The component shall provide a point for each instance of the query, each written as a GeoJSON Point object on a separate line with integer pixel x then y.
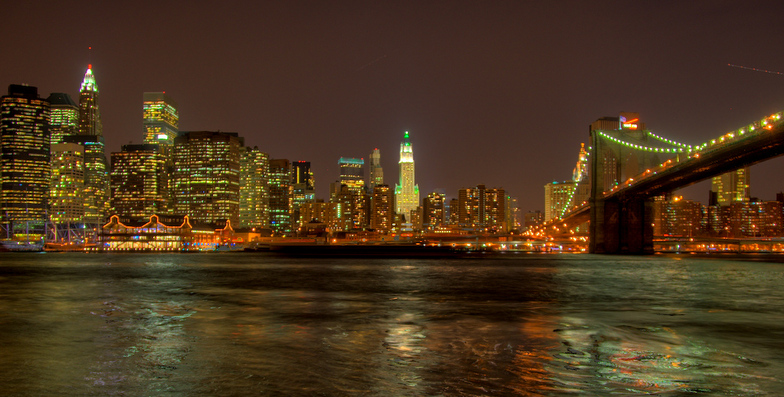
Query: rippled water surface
{"type": "Point", "coordinates": [253, 324]}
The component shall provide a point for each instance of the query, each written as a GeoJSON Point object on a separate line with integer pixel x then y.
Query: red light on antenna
{"type": "Point", "coordinates": [89, 66]}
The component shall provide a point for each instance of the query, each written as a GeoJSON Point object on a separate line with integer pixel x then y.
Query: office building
{"type": "Point", "coordinates": [138, 181]}
{"type": "Point", "coordinates": [732, 187]}
{"type": "Point", "coordinates": [353, 208]}
{"type": "Point", "coordinates": [64, 117]}
{"type": "Point", "coordinates": [482, 209]}
{"type": "Point", "coordinates": [161, 120]}
{"type": "Point", "coordinates": [254, 191]}
{"type": "Point", "coordinates": [24, 156]}
{"type": "Point", "coordinates": [376, 171]}
{"type": "Point", "coordinates": [207, 176]}
{"type": "Point", "coordinates": [382, 208]}
{"type": "Point", "coordinates": [756, 219]}
{"type": "Point", "coordinates": [302, 190]}
{"type": "Point", "coordinates": [560, 197]}
{"type": "Point", "coordinates": [280, 196]}
{"type": "Point", "coordinates": [406, 191]}
{"type": "Point", "coordinates": [66, 194]}
{"type": "Point", "coordinates": [512, 214]}
{"type": "Point", "coordinates": [352, 173]}
{"type": "Point", "coordinates": [433, 211]}
{"type": "Point", "coordinates": [96, 170]}
{"type": "Point", "coordinates": [453, 212]}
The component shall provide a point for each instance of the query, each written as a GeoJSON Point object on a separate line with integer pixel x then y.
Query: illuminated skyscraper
{"type": "Point", "coordinates": [24, 156]}
{"type": "Point", "coordinates": [382, 208]}
{"type": "Point", "coordinates": [560, 197]}
{"type": "Point", "coordinates": [89, 113]}
{"type": "Point", "coordinates": [254, 191]}
{"type": "Point", "coordinates": [138, 182]}
{"type": "Point", "coordinates": [482, 209]}
{"type": "Point", "coordinates": [66, 195]}
{"type": "Point", "coordinates": [161, 123]}
{"type": "Point", "coordinates": [731, 187]}
{"type": "Point", "coordinates": [407, 191]}
{"type": "Point", "coordinates": [353, 208]}
{"type": "Point", "coordinates": [96, 172]}
{"type": "Point", "coordinates": [280, 196]}
{"type": "Point", "coordinates": [512, 214]}
{"type": "Point", "coordinates": [376, 172]}
{"type": "Point", "coordinates": [433, 211]}
{"type": "Point", "coordinates": [207, 176]}
{"type": "Point", "coordinates": [302, 190]}
{"type": "Point", "coordinates": [161, 119]}
{"type": "Point", "coordinates": [64, 119]}
{"type": "Point", "coordinates": [352, 173]}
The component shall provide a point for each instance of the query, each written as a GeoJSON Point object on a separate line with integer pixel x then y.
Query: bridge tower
{"type": "Point", "coordinates": [621, 225]}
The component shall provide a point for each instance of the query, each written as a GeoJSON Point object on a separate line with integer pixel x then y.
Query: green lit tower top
{"type": "Point", "coordinates": [407, 191]}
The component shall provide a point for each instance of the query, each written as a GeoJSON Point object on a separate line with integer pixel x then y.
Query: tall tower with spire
{"type": "Point", "coordinates": [407, 192]}
{"type": "Point", "coordinates": [376, 172]}
{"type": "Point", "coordinates": [96, 172]}
{"type": "Point", "coordinates": [89, 115]}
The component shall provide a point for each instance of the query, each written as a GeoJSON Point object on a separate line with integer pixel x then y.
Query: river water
{"type": "Point", "coordinates": [255, 324]}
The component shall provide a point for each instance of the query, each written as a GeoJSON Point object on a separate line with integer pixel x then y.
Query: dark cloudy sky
{"type": "Point", "coordinates": [493, 92]}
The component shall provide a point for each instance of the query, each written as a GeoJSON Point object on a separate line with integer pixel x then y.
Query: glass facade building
{"type": "Point", "coordinates": [64, 117]}
{"type": "Point", "coordinates": [254, 192]}
{"type": "Point", "coordinates": [139, 187]}
{"type": "Point", "coordinates": [302, 190]}
{"type": "Point", "coordinates": [24, 156]}
{"type": "Point", "coordinates": [161, 119]}
{"type": "Point", "coordinates": [96, 170]}
{"type": "Point", "coordinates": [66, 195]}
{"type": "Point", "coordinates": [280, 196]}
{"type": "Point", "coordinates": [207, 176]}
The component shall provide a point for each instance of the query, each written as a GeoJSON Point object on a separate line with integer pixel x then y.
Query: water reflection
{"type": "Point", "coordinates": [252, 324]}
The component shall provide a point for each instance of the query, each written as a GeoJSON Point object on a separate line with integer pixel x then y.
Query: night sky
{"type": "Point", "coordinates": [492, 92]}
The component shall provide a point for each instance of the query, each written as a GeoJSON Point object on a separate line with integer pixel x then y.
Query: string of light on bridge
{"type": "Point", "coordinates": [669, 141]}
{"type": "Point", "coordinates": [755, 128]}
{"type": "Point", "coordinates": [685, 148]}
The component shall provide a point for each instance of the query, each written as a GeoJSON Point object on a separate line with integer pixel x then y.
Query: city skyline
{"type": "Point", "coordinates": [471, 82]}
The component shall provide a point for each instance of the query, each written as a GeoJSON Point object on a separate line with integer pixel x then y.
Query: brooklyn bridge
{"type": "Point", "coordinates": [628, 166]}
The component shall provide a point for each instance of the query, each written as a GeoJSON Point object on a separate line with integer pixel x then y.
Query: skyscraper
{"type": "Point", "coordinates": [433, 211]}
{"type": "Point", "coordinates": [66, 194]}
{"type": "Point", "coordinates": [24, 156]}
{"type": "Point", "coordinates": [407, 191]}
{"type": "Point", "coordinates": [382, 205]}
{"type": "Point", "coordinates": [161, 122]}
{"type": "Point", "coordinates": [89, 113]}
{"type": "Point", "coordinates": [352, 173]}
{"type": "Point", "coordinates": [96, 173]}
{"type": "Point", "coordinates": [731, 187]}
{"type": "Point", "coordinates": [280, 196]}
{"type": "Point", "coordinates": [482, 208]}
{"type": "Point", "coordinates": [376, 172]}
{"type": "Point", "coordinates": [161, 119]}
{"type": "Point", "coordinates": [207, 176]}
{"type": "Point", "coordinates": [254, 191]}
{"type": "Point", "coordinates": [64, 119]}
{"type": "Point", "coordinates": [138, 182]}
{"type": "Point", "coordinates": [302, 190]}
